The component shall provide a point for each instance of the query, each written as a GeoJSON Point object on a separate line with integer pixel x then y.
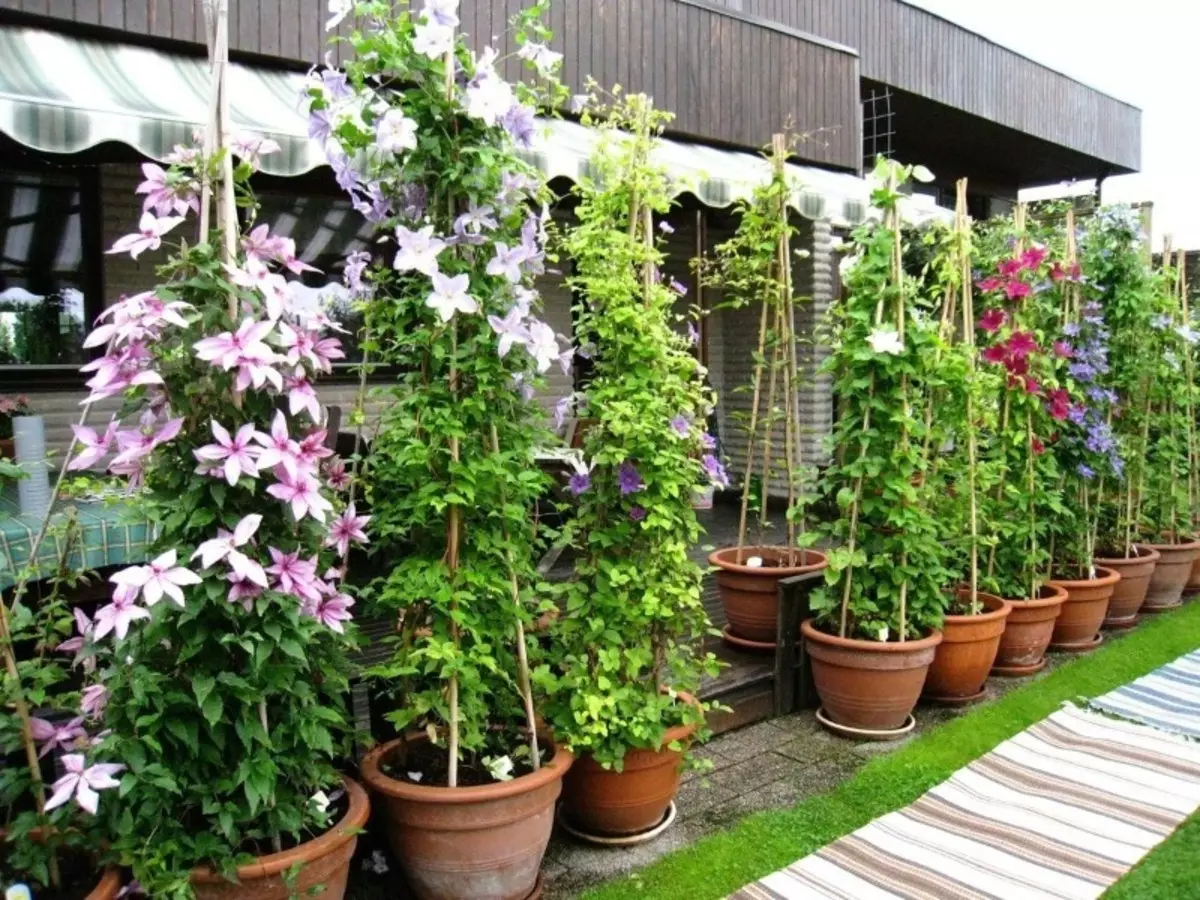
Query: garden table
{"type": "Point", "coordinates": [112, 533]}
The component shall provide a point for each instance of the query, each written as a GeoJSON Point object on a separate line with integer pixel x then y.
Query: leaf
{"type": "Point", "coordinates": [202, 686]}
{"type": "Point", "coordinates": [922, 174]}
{"type": "Point", "coordinates": [212, 708]}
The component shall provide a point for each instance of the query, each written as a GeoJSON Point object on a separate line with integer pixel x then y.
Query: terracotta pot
{"type": "Point", "coordinates": [605, 802]}
{"type": "Point", "coordinates": [8, 448]}
{"type": "Point", "coordinates": [471, 843]}
{"type": "Point", "coordinates": [1170, 575]}
{"type": "Point", "coordinates": [1085, 609]}
{"type": "Point", "coordinates": [751, 595]}
{"type": "Point", "coordinates": [1130, 592]}
{"type": "Point", "coordinates": [964, 657]}
{"type": "Point", "coordinates": [325, 861]}
{"type": "Point", "coordinates": [1193, 582]}
{"type": "Point", "coordinates": [1028, 631]}
{"type": "Point", "coordinates": [868, 685]}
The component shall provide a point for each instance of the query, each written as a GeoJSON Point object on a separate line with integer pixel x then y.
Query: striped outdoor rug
{"type": "Point", "coordinates": [1062, 810]}
{"type": "Point", "coordinates": [1167, 698]}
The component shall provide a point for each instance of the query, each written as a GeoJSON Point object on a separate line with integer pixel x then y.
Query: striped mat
{"type": "Point", "coordinates": [1168, 698]}
{"type": "Point", "coordinates": [1062, 810]}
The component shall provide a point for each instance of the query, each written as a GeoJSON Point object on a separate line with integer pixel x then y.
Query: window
{"type": "Point", "coordinates": [326, 229]}
{"type": "Point", "coordinates": [45, 294]}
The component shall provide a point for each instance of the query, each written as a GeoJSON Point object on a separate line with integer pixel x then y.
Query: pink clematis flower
{"type": "Point", "coordinates": [293, 575]}
{"type": "Point", "coordinates": [225, 547]}
{"type": "Point", "coordinates": [236, 454]}
{"type": "Point", "coordinates": [149, 235]}
{"type": "Point", "coordinates": [141, 317]}
{"type": "Point", "coordinates": [83, 782]}
{"type": "Point", "coordinates": [333, 611]}
{"type": "Point", "coordinates": [94, 445]}
{"type": "Point", "coordinates": [93, 701]}
{"type": "Point", "coordinates": [303, 495]}
{"type": "Point", "coordinates": [162, 196]}
{"type": "Point", "coordinates": [336, 475]}
{"type": "Point", "coordinates": [160, 577]}
{"type": "Point", "coordinates": [278, 449]}
{"type": "Point", "coordinates": [313, 450]}
{"type": "Point", "coordinates": [228, 350]}
{"type": "Point", "coordinates": [242, 590]}
{"type": "Point", "coordinates": [84, 626]}
{"type": "Point", "coordinates": [302, 344]}
{"type": "Point", "coordinates": [346, 529]}
{"type": "Point", "coordinates": [302, 397]}
{"type": "Point", "coordinates": [57, 737]}
{"type": "Point", "coordinates": [135, 445]}
{"type": "Point", "coordinates": [992, 320]}
{"type": "Point", "coordinates": [118, 615]}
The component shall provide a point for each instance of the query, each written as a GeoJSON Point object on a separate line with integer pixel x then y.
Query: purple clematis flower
{"type": "Point", "coordinates": [681, 425]}
{"type": "Point", "coordinates": [629, 479]}
{"type": "Point", "coordinates": [715, 471]}
{"type": "Point", "coordinates": [637, 513]}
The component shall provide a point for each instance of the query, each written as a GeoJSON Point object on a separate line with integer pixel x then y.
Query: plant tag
{"type": "Point", "coordinates": [18, 892]}
{"type": "Point", "coordinates": [754, 562]}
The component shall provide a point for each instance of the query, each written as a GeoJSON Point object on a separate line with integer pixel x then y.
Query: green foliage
{"type": "Point", "coordinates": [886, 575]}
{"type": "Point", "coordinates": [451, 478]}
{"type": "Point", "coordinates": [633, 622]}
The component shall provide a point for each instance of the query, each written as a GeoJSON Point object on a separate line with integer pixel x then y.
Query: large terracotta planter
{"type": "Point", "coordinates": [964, 658]}
{"type": "Point", "coordinates": [1130, 592]}
{"type": "Point", "coordinates": [1193, 582]}
{"type": "Point", "coordinates": [607, 803]}
{"type": "Point", "coordinates": [1172, 572]}
{"type": "Point", "coordinates": [471, 843]}
{"type": "Point", "coordinates": [1077, 627]}
{"type": "Point", "coordinates": [868, 685]}
{"type": "Point", "coordinates": [1027, 633]}
{"type": "Point", "coordinates": [751, 595]}
{"type": "Point", "coordinates": [324, 862]}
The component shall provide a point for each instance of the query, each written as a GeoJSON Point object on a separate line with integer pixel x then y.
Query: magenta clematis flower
{"type": "Point", "coordinates": [336, 475]}
{"type": "Point", "coordinates": [1009, 268]}
{"type": "Point", "coordinates": [57, 737]}
{"type": "Point", "coordinates": [1017, 290]}
{"type": "Point", "coordinates": [137, 318]}
{"type": "Point", "coordinates": [94, 445]}
{"type": "Point", "coordinates": [629, 479]}
{"type": "Point", "coordinates": [993, 320]}
{"type": "Point", "coordinates": [450, 295]}
{"type": "Point", "coordinates": [418, 250]}
{"type": "Point", "coordinates": [303, 495]}
{"type": "Point", "coordinates": [93, 700]}
{"type": "Point", "coordinates": [1021, 344]}
{"type": "Point", "coordinates": [148, 237]}
{"type": "Point", "coordinates": [119, 614]}
{"type": "Point", "coordinates": [83, 782]}
{"type": "Point", "coordinates": [235, 454]}
{"type": "Point", "coordinates": [333, 611]}
{"type": "Point", "coordinates": [1033, 258]}
{"type": "Point", "coordinates": [278, 449]}
{"type": "Point", "coordinates": [346, 529]}
{"type": "Point", "coordinates": [293, 575]}
{"type": "Point", "coordinates": [1063, 350]}
{"type": "Point", "coordinates": [1058, 404]}
{"type": "Point", "coordinates": [160, 577]}
{"type": "Point", "coordinates": [542, 345]}
{"type": "Point", "coordinates": [225, 547]}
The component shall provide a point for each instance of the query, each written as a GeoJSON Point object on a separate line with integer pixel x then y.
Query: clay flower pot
{"type": "Point", "coordinates": [606, 803]}
{"type": "Point", "coordinates": [1077, 627]}
{"type": "Point", "coordinates": [483, 842]}
{"type": "Point", "coordinates": [1173, 571]}
{"type": "Point", "coordinates": [751, 595]}
{"type": "Point", "coordinates": [1027, 633]}
{"type": "Point", "coordinates": [1193, 582]}
{"type": "Point", "coordinates": [964, 658]}
{"type": "Point", "coordinates": [868, 686]}
{"type": "Point", "coordinates": [1130, 592]}
{"type": "Point", "coordinates": [324, 862]}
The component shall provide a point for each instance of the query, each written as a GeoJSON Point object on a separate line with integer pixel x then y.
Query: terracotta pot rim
{"type": "Point", "coordinates": [373, 775]}
{"type": "Point", "coordinates": [319, 847]}
{"type": "Point", "coordinates": [809, 629]}
{"type": "Point", "coordinates": [990, 616]}
{"type": "Point", "coordinates": [1112, 577]}
{"type": "Point", "coordinates": [1193, 544]}
{"type": "Point", "coordinates": [1148, 555]}
{"type": "Point", "coordinates": [109, 885]}
{"type": "Point", "coordinates": [1057, 596]}
{"type": "Point", "coordinates": [715, 559]}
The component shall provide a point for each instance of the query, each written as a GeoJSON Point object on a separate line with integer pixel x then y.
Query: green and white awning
{"type": "Point", "coordinates": [61, 94]}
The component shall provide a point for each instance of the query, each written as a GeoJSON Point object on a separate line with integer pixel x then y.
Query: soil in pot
{"type": "Point", "coordinates": [1084, 610]}
{"type": "Point", "coordinates": [868, 685]}
{"type": "Point", "coordinates": [1171, 574]}
{"type": "Point", "coordinates": [607, 803]}
{"type": "Point", "coordinates": [1028, 631]}
{"type": "Point", "coordinates": [1130, 592]}
{"type": "Point", "coordinates": [324, 863]}
{"type": "Point", "coordinates": [969, 644]}
{"type": "Point", "coordinates": [479, 842]}
{"type": "Point", "coordinates": [750, 595]}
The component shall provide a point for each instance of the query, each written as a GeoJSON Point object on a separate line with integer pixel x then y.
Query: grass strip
{"type": "Point", "coordinates": [1171, 871]}
{"type": "Point", "coordinates": [721, 863]}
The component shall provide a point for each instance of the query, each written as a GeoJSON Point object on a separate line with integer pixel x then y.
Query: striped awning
{"type": "Point", "coordinates": [61, 94]}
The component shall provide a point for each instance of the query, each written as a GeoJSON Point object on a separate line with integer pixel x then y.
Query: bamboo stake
{"type": "Point", "coordinates": [968, 325]}
{"type": "Point", "coordinates": [752, 431]}
{"type": "Point", "coordinates": [769, 422]}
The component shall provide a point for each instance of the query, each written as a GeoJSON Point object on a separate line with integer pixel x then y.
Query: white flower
{"type": "Point", "coordinates": [450, 296]}
{"type": "Point", "coordinates": [500, 767]}
{"type": "Point", "coordinates": [886, 340]}
{"type": "Point", "coordinates": [444, 12]}
{"type": "Point", "coordinates": [416, 776]}
{"type": "Point", "coordinates": [545, 59]}
{"type": "Point", "coordinates": [396, 132]}
{"type": "Point", "coordinates": [883, 634]}
{"type": "Point", "coordinates": [542, 345]}
{"type": "Point", "coordinates": [432, 39]}
{"type": "Point", "coordinates": [1188, 334]}
{"type": "Point", "coordinates": [338, 10]}
{"type": "Point", "coordinates": [848, 262]}
{"type": "Point", "coordinates": [321, 800]}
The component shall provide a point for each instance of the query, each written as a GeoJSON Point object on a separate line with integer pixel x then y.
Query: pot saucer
{"type": "Point", "coordinates": [1019, 671]}
{"type": "Point", "coordinates": [1081, 647]}
{"type": "Point", "coordinates": [1122, 624]}
{"type": "Point", "coordinates": [537, 889]}
{"type": "Point", "coordinates": [866, 734]}
{"type": "Point", "coordinates": [616, 840]}
{"type": "Point", "coordinates": [955, 701]}
{"type": "Point", "coordinates": [1158, 609]}
{"type": "Point", "coordinates": [742, 643]}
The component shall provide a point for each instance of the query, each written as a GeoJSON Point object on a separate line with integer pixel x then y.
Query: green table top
{"type": "Point", "coordinates": [112, 533]}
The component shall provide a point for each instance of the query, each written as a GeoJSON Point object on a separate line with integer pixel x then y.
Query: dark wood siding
{"type": "Point", "coordinates": [927, 55]}
{"type": "Point", "coordinates": [727, 80]}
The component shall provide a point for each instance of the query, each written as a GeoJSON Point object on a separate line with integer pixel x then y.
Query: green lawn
{"type": "Point", "coordinates": [762, 843]}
